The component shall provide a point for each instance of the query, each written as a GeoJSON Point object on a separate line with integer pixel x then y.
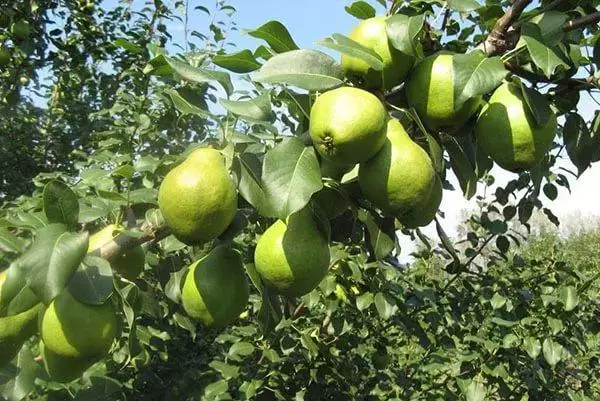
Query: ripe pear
{"type": "Point", "coordinates": [425, 213]}
{"type": "Point", "coordinates": [198, 199]}
{"type": "Point", "coordinates": [215, 290]}
{"type": "Point", "coordinates": [508, 133]}
{"type": "Point", "coordinates": [400, 178]}
{"type": "Point", "coordinates": [292, 256]}
{"type": "Point", "coordinates": [430, 90]}
{"type": "Point", "coordinates": [73, 329]}
{"type": "Point", "coordinates": [15, 330]}
{"type": "Point", "coordinates": [129, 264]}
{"type": "Point", "coordinates": [347, 125]}
{"type": "Point", "coordinates": [63, 369]}
{"type": "Point", "coordinates": [372, 34]}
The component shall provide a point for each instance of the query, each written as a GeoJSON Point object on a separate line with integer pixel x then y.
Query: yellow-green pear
{"type": "Point", "coordinates": [400, 178]}
{"type": "Point", "coordinates": [15, 330]}
{"type": "Point", "coordinates": [292, 256]}
{"type": "Point", "coordinates": [372, 34]}
{"type": "Point", "coordinates": [430, 90]}
{"type": "Point", "coordinates": [198, 199]}
{"type": "Point", "coordinates": [508, 133]}
{"type": "Point", "coordinates": [129, 264]}
{"type": "Point", "coordinates": [215, 290]}
{"type": "Point", "coordinates": [73, 329]}
{"type": "Point", "coordinates": [63, 369]}
{"type": "Point", "coordinates": [425, 213]}
{"type": "Point", "coordinates": [347, 125]}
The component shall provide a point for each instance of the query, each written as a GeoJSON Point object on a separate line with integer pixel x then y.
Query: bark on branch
{"type": "Point", "coordinates": [502, 36]}
{"type": "Point", "coordinates": [586, 20]}
{"type": "Point", "coordinates": [124, 242]}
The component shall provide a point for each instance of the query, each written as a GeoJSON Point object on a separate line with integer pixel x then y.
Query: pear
{"type": "Point", "coordinates": [129, 264]}
{"type": "Point", "coordinates": [372, 34]}
{"type": "Point", "coordinates": [215, 290]}
{"type": "Point", "coordinates": [63, 369]}
{"type": "Point", "coordinates": [401, 177]}
{"type": "Point", "coordinates": [347, 125]}
{"type": "Point", "coordinates": [73, 329]}
{"type": "Point", "coordinates": [292, 256]}
{"type": "Point", "coordinates": [423, 215]}
{"type": "Point", "coordinates": [430, 90]}
{"type": "Point", "coordinates": [508, 133]}
{"type": "Point", "coordinates": [15, 330]}
{"type": "Point", "coordinates": [198, 199]}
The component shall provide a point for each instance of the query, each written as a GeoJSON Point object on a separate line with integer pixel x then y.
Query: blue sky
{"type": "Point", "coordinates": [311, 20]}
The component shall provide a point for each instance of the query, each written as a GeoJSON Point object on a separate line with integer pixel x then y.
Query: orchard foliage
{"type": "Point", "coordinates": [98, 105]}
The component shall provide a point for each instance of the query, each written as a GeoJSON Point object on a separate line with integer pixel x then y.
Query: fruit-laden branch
{"type": "Point", "coordinates": [124, 242]}
{"type": "Point", "coordinates": [586, 20]}
{"type": "Point", "coordinates": [502, 38]}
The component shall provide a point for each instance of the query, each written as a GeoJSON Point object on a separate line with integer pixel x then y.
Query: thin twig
{"type": "Point", "coordinates": [590, 19]}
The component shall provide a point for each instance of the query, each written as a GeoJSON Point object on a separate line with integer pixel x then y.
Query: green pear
{"type": "Point", "coordinates": [215, 290]}
{"type": "Point", "coordinates": [372, 34]}
{"type": "Point", "coordinates": [400, 178]}
{"type": "Point", "coordinates": [425, 213]}
{"type": "Point", "coordinates": [508, 133]}
{"type": "Point", "coordinates": [63, 369]}
{"type": "Point", "coordinates": [198, 199]}
{"type": "Point", "coordinates": [292, 256]}
{"type": "Point", "coordinates": [430, 91]}
{"type": "Point", "coordinates": [347, 125]}
{"type": "Point", "coordinates": [73, 329]}
{"type": "Point", "coordinates": [129, 264]}
{"type": "Point", "coordinates": [15, 330]}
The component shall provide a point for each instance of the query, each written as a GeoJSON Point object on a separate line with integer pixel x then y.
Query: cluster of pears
{"type": "Point", "coordinates": [505, 128]}
{"type": "Point", "coordinates": [73, 335]}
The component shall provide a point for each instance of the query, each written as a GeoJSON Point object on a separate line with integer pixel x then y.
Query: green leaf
{"type": "Point", "coordinates": [475, 391]}
{"type": "Point", "coordinates": [50, 262]}
{"type": "Point", "coordinates": [497, 301]}
{"type": "Point", "coordinates": [185, 106]}
{"type": "Point", "coordinates": [502, 243]}
{"type": "Point", "coordinates": [23, 382]}
{"type": "Point", "coordinates": [276, 35]}
{"type": "Point", "coordinates": [246, 168]}
{"type": "Point", "coordinates": [569, 298]}
{"type": "Point", "coordinates": [226, 370]}
{"type": "Point", "coordinates": [195, 74]}
{"type": "Point", "coordinates": [240, 62]}
{"type": "Point", "coordinates": [240, 349]}
{"type": "Point", "coordinates": [60, 204]}
{"type": "Point", "coordinates": [360, 10]}
{"type": "Point", "coordinates": [581, 146]}
{"type": "Point", "coordinates": [381, 242]}
{"type": "Point", "coordinates": [546, 57]}
{"type": "Point", "coordinates": [402, 31]}
{"type": "Point", "coordinates": [92, 283]}
{"type": "Point", "coordinates": [308, 343]}
{"type": "Point", "coordinates": [101, 388]}
{"type": "Point", "coordinates": [446, 243]}
{"type": "Point", "coordinates": [475, 75]}
{"type": "Point", "coordinates": [463, 6]}
{"type": "Point", "coordinates": [532, 346]}
{"type": "Point", "coordinates": [363, 301]}
{"type": "Point", "coordinates": [10, 242]}
{"type": "Point", "coordinates": [127, 45]}
{"type": "Point", "coordinates": [216, 389]}
{"type": "Point", "coordinates": [256, 109]}
{"type": "Point", "coordinates": [307, 69]}
{"type": "Point", "coordinates": [290, 176]}
{"type": "Point", "coordinates": [550, 24]}
{"type": "Point", "coordinates": [384, 306]}
{"type": "Point", "coordinates": [537, 103]}
{"type": "Point", "coordinates": [552, 352]}
{"type": "Point", "coordinates": [345, 45]}
{"type": "Point", "coordinates": [461, 165]}
{"type": "Point", "coordinates": [550, 191]}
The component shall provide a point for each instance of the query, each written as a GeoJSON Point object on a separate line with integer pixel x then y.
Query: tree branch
{"type": "Point", "coordinates": [586, 20]}
{"type": "Point", "coordinates": [124, 242]}
{"type": "Point", "coordinates": [500, 39]}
